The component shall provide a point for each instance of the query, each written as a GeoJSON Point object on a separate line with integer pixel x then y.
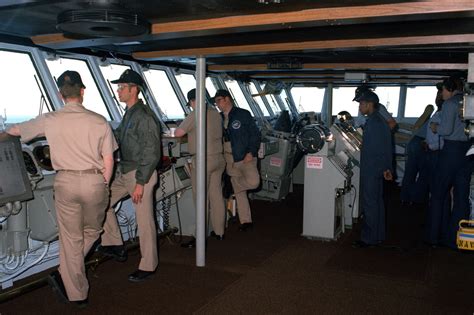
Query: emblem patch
{"type": "Point", "coordinates": [236, 124]}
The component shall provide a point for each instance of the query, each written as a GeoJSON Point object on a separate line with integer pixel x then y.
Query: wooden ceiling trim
{"type": "Point", "coordinates": [307, 46]}
{"type": "Point", "coordinates": [378, 76]}
{"type": "Point", "coordinates": [350, 66]}
{"type": "Point", "coordinates": [330, 16]}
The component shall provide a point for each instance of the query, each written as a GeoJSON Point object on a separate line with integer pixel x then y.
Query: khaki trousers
{"type": "Point", "coordinates": [123, 186]}
{"type": "Point", "coordinates": [243, 176]}
{"type": "Point", "coordinates": [80, 201]}
{"type": "Point", "coordinates": [215, 165]}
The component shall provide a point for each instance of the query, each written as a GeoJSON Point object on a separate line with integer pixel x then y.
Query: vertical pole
{"type": "Point", "coordinates": [328, 120]}
{"type": "Point", "coordinates": [201, 162]}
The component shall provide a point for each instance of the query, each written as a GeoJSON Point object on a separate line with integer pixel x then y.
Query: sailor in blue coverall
{"type": "Point", "coordinates": [376, 165]}
{"type": "Point", "coordinates": [453, 171]}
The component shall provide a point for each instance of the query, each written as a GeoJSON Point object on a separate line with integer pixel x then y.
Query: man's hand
{"type": "Point", "coordinates": [387, 175]}
{"type": "Point", "coordinates": [138, 193]}
{"type": "Point", "coordinates": [248, 157]}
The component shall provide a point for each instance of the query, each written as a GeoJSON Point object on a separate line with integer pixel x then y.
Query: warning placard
{"type": "Point", "coordinates": [275, 161]}
{"type": "Point", "coordinates": [314, 162]}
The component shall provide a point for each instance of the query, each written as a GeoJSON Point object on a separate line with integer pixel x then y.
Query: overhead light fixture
{"type": "Point", "coordinates": [269, 1]}
{"type": "Point", "coordinates": [355, 77]}
{"type": "Point", "coordinates": [102, 22]}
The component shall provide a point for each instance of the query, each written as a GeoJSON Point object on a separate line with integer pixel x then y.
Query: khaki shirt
{"type": "Point", "coordinates": [214, 131]}
{"type": "Point", "coordinates": [78, 138]}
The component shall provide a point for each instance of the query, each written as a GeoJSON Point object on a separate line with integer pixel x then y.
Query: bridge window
{"type": "Point", "coordinates": [417, 99]}
{"type": "Point", "coordinates": [112, 72]}
{"type": "Point", "coordinates": [342, 101]}
{"type": "Point", "coordinates": [308, 99]}
{"type": "Point", "coordinates": [92, 97]}
{"type": "Point", "coordinates": [186, 82]}
{"type": "Point", "coordinates": [238, 95]}
{"type": "Point", "coordinates": [210, 86]}
{"type": "Point", "coordinates": [389, 96]}
{"type": "Point", "coordinates": [164, 94]}
{"type": "Point", "coordinates": [258, 99]}
{"type": "Point", "coordinates": [284, 98]}
{"type": "Point", "coordinates": [24, 96]}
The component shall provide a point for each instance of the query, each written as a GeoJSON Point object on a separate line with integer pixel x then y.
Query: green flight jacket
{"type": "Point", "coordinates": [139, 139]}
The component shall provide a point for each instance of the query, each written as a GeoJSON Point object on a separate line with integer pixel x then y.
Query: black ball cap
{"type": "Point", "coordinates": [221, 93]}
{"type": "Point", "coordinates": [191, 96]}
{"type": "Point", "coordinates": [70, 77]}
{"type": "Point", "coordinates": [130, 77]}
{"type": "Point", "coordinates": [361, 90]}
{"type": "Point", "coordinates": [368, 96]}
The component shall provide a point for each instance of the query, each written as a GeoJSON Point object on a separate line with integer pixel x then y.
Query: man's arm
{"type": "Point", "coordinates": [149, 141]}
{"type": "Point", "coordinates": [14, 130]}
{"type": "Point", "coordinates": [447, 119]}
{"type": "Point", "coordinates": [254, 138]}
{"type": "Point", "coordinates": [108, 167]}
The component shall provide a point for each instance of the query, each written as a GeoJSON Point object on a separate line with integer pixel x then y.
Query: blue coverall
{"type": "Point", "coordinates": [453, 170]}
{"type": "Point", "coordinates": [376, 157]}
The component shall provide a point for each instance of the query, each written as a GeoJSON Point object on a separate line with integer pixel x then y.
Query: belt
{"type": "Point", "coordinates": [82, 172]}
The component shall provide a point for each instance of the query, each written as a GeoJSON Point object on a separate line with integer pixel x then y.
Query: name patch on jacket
{"type": "Point", "coordinates": [236, 124]}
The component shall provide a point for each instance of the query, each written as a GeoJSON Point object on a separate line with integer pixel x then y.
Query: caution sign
{"type": "Point", "coordinates": [275, 161]}
{"type": "Point", "coordinates": [465, 236]}
{"type": "Point", "coordinates": [315, 162]}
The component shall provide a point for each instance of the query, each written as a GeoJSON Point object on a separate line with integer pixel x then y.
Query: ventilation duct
{"type": "Point", "coordinates": [102, 23]}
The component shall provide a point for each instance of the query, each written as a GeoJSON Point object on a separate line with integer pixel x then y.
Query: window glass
{"type": "Point", "coordinates": [417, 99]}
{"type": "Point", "coordinates": [186, 82]}
{"type": "Point", "coordinates": [389, 96]}
{"type": "Point", "coordinates": [22, 99]}
{"type": "Point", "coordinates": [272, 101]}
{"type": "Point", "coordinates": [92, 98]}
{"type": "Point", "coordinates": [164, 94]}
{"type": "Point", "coordinates": [308, 99]}
{"type": "Point", "coordinates": [284, 98]}
{"type": "Point", "coordinates": [210, 87]}
{"type": "Point", "coordinates": [342, 101]}
{"type": "Point", "coordinates": [236, 92]}
{"type": "Point", "coordinates": [110, 73]}
{"type": "Point", "coordinates": [258, 99]}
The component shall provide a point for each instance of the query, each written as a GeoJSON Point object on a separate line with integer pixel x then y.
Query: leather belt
{"type": "Point", "coordinates": [82, 172]}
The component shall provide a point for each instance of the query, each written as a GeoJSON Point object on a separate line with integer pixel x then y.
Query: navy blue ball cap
{"type": "Point", "coordinates": [368, 96]}
{"type": "Point", "coordinates": [221, 93]}
{"type": "Point", "coordinates": [360, 90]}
{"type": "Point", "coordinates": [130, 77]}
{"type": "Point", "coordinates": [71, 78]}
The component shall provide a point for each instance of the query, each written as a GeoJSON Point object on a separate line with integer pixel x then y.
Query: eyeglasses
{"type": "Point", "coordinates": [123, 86]}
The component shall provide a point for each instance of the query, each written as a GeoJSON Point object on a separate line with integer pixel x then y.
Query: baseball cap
{"type": "Point", "coordinates": [221, 93]}
{"type": "Point", "coordinates": [360, 90]}
{"type": "Point", "coordinates": [129, 76]}
{"type": "Point", "coordinates": [70, 77]}
{"type": "Point", "coordinates": [191, 96]}
{"type": "Point", "coordinates": [439, 85]}
{"type": "Point", "coordinates": [368, 96]}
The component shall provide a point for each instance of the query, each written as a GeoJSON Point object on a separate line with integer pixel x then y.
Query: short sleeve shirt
{"type": "Point", "coordinates": [78, 138]}
{"type": "Point", "coordinates": [214, 131]}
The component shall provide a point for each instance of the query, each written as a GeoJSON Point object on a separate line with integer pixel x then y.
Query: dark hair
{"type": "Point", "coordinates": [70, 90]}
{"type": "Point", "coordinates": [453, 83]}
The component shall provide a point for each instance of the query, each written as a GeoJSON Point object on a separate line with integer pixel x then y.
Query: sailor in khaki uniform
{"type": "Point", "coordinates": [82, 146]}
{"type": "Point", "coordinates": [139, 138]}
{"type": "Point", "coordinates": [215, 163]}
{"type": "Point", "coordinates": [241, 144]}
